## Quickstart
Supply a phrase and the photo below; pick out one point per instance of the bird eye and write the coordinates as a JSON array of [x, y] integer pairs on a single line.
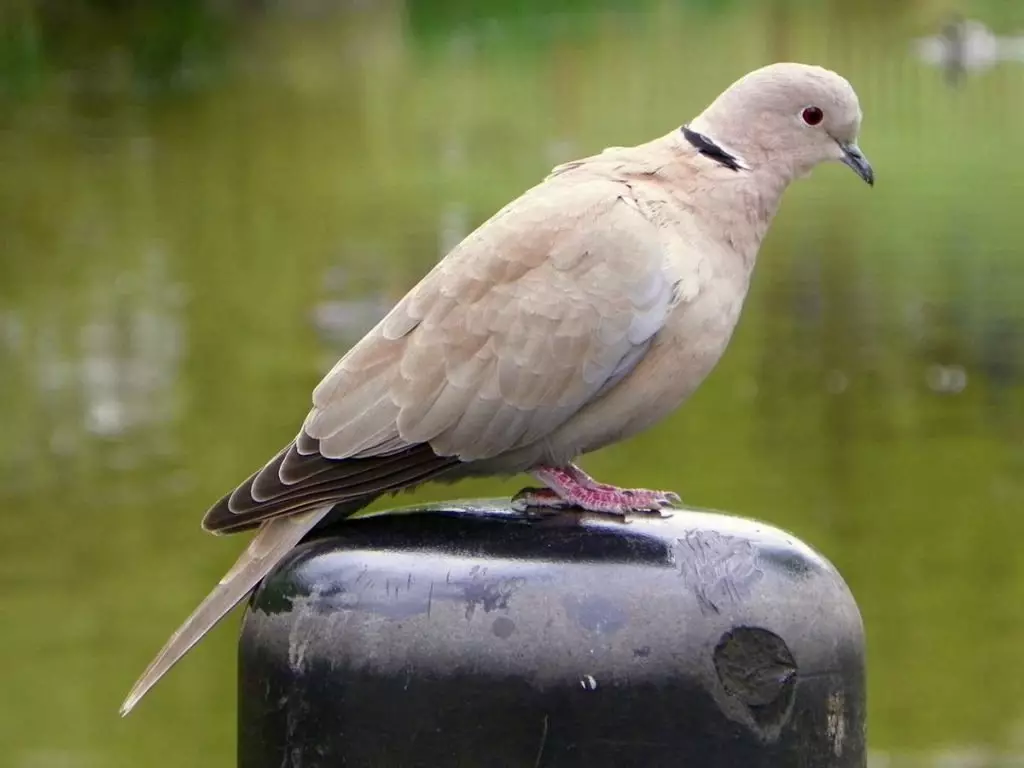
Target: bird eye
[[812, 115]]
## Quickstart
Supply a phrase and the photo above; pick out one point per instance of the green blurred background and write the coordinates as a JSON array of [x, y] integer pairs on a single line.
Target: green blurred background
[[203, 204]]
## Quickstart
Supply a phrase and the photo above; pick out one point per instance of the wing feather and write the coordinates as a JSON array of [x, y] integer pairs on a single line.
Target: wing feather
[[543, 308]]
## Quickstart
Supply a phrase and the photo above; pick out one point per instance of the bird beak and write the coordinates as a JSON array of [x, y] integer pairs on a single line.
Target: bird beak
[[853, 157]]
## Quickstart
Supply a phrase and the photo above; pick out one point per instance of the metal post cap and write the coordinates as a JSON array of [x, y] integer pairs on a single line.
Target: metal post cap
[[467, 634]]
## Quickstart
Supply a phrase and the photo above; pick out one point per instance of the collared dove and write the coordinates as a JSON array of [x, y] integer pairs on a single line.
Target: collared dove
[[580, 314]]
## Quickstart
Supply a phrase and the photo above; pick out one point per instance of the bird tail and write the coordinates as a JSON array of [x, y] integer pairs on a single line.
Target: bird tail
[[274, 540]]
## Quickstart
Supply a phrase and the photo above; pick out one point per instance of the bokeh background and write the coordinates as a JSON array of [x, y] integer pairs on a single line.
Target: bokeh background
[[203, 203]]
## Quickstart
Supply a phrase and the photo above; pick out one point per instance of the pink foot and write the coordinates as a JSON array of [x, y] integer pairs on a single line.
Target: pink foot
[[537, 498], [572, 487]]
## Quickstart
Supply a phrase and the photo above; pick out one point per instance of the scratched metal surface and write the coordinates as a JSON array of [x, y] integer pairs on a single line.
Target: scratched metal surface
[[730, 630]]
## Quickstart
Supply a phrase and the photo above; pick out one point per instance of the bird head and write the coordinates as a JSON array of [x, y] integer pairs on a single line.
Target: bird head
[[788, 118]]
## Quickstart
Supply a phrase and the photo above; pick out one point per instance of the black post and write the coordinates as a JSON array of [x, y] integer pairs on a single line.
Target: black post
[[469, 635]]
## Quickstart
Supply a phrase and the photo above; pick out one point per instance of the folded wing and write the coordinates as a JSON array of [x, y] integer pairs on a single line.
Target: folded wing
[[545, 307]]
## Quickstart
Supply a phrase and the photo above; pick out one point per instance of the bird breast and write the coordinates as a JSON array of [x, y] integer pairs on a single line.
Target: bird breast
[[711, 282]]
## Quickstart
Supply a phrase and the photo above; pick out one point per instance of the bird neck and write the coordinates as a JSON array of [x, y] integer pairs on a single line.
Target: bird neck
[[747, 207], [736, 140], [738, 194]]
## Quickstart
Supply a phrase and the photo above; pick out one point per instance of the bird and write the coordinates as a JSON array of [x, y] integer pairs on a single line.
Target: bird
[[580, 314]]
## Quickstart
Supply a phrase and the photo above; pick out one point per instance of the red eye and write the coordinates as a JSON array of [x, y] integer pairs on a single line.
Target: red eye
[[812, 115]]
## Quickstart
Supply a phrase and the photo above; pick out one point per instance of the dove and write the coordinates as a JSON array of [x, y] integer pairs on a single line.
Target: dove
[[577, 316]]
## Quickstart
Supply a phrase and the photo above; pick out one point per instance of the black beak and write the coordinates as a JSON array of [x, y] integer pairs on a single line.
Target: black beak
[[853, 157]]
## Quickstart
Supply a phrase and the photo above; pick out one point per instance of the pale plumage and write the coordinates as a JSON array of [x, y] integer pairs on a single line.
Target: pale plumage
[[522, 324], [580, 314]]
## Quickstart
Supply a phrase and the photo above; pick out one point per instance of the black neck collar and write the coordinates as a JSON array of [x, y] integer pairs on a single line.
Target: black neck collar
[[709, 149]]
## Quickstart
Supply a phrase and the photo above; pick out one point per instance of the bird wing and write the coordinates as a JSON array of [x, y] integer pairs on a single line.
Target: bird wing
[[544, 307], [510, 335]]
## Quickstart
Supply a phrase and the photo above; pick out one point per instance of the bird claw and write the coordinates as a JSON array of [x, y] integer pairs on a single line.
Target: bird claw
[[531, 499], [661, 498], [604, 498]]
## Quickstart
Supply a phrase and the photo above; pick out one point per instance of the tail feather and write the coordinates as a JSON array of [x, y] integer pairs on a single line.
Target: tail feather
[[284, 512], [275, 539]]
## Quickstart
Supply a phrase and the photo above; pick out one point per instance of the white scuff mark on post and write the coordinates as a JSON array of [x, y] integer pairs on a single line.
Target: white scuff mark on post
[[588, 683], [543, 742], [296, 650], [299, 634], [835, 722]]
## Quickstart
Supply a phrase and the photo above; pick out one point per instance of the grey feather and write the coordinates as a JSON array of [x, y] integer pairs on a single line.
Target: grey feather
[[275, 539]]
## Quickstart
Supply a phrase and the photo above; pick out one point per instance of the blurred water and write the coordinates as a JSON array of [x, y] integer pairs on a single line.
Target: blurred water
[[176, 273]]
